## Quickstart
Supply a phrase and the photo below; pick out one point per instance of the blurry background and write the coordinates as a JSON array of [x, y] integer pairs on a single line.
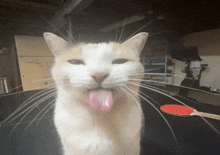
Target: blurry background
[[177, 28], [183, 49]]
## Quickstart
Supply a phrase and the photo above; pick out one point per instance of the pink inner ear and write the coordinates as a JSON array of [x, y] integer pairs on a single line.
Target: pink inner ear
[[177, 109]]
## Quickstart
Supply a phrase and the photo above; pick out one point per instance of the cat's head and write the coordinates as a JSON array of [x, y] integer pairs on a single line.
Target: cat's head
[[89, 66]]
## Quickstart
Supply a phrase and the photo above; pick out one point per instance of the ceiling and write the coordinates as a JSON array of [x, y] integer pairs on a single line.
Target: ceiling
[[169, 18]]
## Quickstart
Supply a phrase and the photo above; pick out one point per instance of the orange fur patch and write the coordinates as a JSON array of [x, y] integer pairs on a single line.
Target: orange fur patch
[[72, 53], [124, 52]]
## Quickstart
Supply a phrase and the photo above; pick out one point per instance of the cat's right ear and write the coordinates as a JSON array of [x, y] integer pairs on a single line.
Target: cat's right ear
[[56, 44], [137, 42]]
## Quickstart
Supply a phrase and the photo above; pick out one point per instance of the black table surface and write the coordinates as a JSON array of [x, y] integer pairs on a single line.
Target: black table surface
[[193, 135]]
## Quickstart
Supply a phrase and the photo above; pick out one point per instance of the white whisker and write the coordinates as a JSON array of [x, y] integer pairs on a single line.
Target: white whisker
[[150, 98], [170, 92], [15, 88], [45, 113], [43, 87], [43, 79], [116, 36], [121, 32], [49, 104], [28, 101], [164, 74], [37, 88], [171, 98], [9, 94], [174, 136], [143, 27], [213, 128], [24, 122], [60, 32], [153, 69], [29, 109], [132, 79], [154, 34], [131, 96], [33, 106]]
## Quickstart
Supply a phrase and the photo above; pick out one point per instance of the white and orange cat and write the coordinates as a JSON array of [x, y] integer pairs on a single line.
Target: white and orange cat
[[93, 112]]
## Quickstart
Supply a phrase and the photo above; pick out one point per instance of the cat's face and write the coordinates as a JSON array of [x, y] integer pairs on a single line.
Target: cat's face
[[96, 66]]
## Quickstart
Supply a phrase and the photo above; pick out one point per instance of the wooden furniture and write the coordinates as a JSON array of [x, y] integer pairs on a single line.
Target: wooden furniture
[[35, 61]]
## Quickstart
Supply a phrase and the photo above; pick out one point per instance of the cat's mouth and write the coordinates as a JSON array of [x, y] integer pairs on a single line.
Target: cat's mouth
[[100, 89], [100, 99]]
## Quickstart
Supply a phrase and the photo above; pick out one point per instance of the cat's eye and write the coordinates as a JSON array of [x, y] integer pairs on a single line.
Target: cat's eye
[[76, 62], [120, 61]]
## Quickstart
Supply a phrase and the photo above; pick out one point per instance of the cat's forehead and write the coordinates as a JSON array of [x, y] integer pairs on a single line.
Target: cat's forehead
[[99, 51], [107, 50]]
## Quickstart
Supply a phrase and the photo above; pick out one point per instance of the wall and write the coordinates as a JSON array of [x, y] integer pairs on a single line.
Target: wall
[[35, 62], [208, 43]]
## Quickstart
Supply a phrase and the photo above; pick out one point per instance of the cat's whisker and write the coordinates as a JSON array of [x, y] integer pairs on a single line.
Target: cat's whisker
[[47, 79], [37, 88], [29, 109], [132, 83], [171, 98], [209, 124], [43, 87], [66, 38], [41, 117], [24, 122], [140, 73], [129, 95], [8, 94], [32, 106], [174, 136], [15, 88], [149, 74], [116, 36], [143, 27], [121, 32], [132, 79], [164, 74], [49, 104], [149, 97], [27, 102], [154, 34], [123, 90], [162, 90], [153, 69]]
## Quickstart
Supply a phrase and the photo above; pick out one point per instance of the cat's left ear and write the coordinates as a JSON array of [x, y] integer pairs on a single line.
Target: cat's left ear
[[56, 44], [137, 42]]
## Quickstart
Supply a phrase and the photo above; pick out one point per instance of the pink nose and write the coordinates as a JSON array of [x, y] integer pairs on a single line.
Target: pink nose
[[99, 77]]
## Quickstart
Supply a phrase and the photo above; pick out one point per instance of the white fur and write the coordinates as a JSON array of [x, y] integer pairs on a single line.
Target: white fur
[[83, 131]]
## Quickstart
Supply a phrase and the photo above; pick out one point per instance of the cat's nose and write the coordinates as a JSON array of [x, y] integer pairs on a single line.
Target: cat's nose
[[99, 77]]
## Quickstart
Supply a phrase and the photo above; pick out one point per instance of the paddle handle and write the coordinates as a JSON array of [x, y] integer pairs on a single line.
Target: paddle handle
[[203, 114]]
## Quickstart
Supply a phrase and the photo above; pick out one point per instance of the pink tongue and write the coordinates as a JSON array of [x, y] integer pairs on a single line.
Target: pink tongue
[[100, 100]]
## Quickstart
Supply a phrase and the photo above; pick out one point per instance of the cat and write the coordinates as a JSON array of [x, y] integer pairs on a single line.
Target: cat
[[94, 113]]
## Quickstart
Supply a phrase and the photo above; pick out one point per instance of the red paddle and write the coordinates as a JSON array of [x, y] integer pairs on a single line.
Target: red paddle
[[181, 110]]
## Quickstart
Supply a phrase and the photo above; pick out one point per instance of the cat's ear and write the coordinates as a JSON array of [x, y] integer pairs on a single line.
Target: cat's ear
[[137, 42], [56, 44]]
